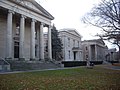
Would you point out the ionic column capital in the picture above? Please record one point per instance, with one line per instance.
(10, 11)
(50, 26)
(23, 16)
(33, 20)
(42, 23)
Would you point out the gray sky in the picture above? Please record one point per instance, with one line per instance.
(68, 14)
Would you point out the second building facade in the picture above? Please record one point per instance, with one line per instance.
(72, 47)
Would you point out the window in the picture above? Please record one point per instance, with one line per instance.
(68, 42)
(73, 43)
(78, 43)
(17, 32)
(86, 57)
(86, 48)
(35, 50)
(69, 54)
(36, 34)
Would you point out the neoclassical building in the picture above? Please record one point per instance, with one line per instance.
(21, 30)
(72, 47)
(94, 50)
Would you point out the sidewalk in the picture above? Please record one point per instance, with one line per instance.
(108, 66)
(113, 67)
(10, 72)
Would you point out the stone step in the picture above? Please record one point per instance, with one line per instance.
(31, 65)
(4, 65)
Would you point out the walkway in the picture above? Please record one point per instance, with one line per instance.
(108, 66)
(112, 67)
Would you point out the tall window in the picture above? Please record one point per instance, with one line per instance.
(69, 54)
(17, 32)
(35, 50)
(16, 40)
(78, 43)
(35, 33)
(68, 42)
(73, 43)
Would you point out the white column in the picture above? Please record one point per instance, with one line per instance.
(89, 56)
(9, 36)
(22, 29)
(32, 43)
(38, 42)
(49, 43)
(41, 42)
(79, 55)
(95, 52)
(89, 52)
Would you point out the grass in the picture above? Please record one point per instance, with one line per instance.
(82, 78)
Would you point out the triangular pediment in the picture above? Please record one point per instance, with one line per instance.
(74, 32)
(30, 5)
(71, 31)
(34, 6)
(101, 41)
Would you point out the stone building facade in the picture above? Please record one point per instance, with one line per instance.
(112, 55)
(21, 30)
(94, 50)
(72, 47)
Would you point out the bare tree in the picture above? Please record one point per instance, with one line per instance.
(106, 15)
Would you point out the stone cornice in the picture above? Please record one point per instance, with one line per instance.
(7, 4)
(70, 33)
(45, 13)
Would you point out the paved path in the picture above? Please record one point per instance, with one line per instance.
(105, 66)
(39, 70)
(112, 67)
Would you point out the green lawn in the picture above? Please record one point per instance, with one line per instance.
(82, 78)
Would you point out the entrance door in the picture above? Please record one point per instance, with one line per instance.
(16, 49)
(74, 53)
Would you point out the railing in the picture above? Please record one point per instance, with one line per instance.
(4, 62)
(76, 49)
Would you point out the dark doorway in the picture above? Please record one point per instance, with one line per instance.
(74, 53)
(16, 49)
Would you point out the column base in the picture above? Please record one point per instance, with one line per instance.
(8, 58)
(22, 59)
(32, 59)
(49, 59)
(41, 59)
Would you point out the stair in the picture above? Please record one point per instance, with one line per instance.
(31, 65)
(4, 65)
(105, 62)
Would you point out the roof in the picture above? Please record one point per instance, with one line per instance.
(40, 10)
(46, 13)
(95, 40)
(71, 31)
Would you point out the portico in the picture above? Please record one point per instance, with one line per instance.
(24, 27)
(94, 50)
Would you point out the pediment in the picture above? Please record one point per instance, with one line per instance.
(74, 32)
(101, 41)
(34, 6)
(30, 5)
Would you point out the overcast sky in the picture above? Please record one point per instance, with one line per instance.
(68, 14)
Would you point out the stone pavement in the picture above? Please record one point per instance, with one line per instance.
(10, 72)
(113, 67)
(108, 66)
